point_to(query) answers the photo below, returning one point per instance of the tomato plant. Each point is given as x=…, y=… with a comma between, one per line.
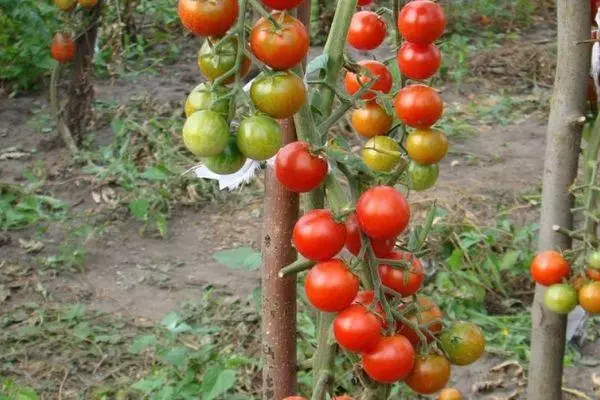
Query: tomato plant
x=317, y=236
x=418, y=106
x=419, y=61
x=63, y=47
x=392, y=359
x=279, y=95
x=549, y=267
x=357, y=329
x=373, y=70
x=367, y=30
x=371, y=120
x=259, y=137
x=430, y=374
x=208, y=18
x=330, y=286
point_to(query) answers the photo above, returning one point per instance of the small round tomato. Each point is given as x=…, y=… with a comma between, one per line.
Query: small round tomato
x=421, y=21
x=66, y=5
x=450, y=394
x=330, y=286
x=364, y=2
x=214, y=64
x=317, y=236
x=63, y=47
x=298, y=169
x=427, y=317
x=367, y=31
x=593, y=260
x=378, y=71
x=418, y=61
x=428, y=146
x=381, y=247
x=383, y=212
x=343, y=397
x=282, y=4
x=404, y=280
x=593, y=274
x=560, y=298
x=230, y=161
x=208, y=17
x=205, y=133
x=463, y=343
x=203, y=97
x=280, y=47
x=259, y=137
x=430, y=375
x=371, y=120
x=391, y=361
x=357, y=329
x=589, y=297
x=422, y=177
x=549, y=267
x=87, y=3
x=381, y=154
x=279, y=95
x=418, y=106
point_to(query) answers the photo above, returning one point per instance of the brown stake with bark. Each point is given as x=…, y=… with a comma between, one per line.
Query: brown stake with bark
x=279, y=294
x=560, y=169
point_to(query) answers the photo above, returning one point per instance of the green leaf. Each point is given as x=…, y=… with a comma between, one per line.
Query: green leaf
x=176, y=356
x=140, y=208
x=510, y=259
x=216, y=381
x=117, y=126
x=239, y=258
x=174, y=324
x=456, y=259
x=159, y=173
x=141, y=343
x=148, y=385
x=317, y=64
x=75, y=312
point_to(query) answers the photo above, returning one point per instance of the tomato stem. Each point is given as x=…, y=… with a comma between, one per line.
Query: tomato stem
x=296, y=267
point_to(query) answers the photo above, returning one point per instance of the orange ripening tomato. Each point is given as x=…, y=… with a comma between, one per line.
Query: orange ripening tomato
x=208, y=17
x=430, y=374
x=589, y=297
x=450, y=394
x=66, y=5
x=63, y=47
x=427, y=146
x=378, y=71
x=549, y=268
x=87, y=3
x=371, y=120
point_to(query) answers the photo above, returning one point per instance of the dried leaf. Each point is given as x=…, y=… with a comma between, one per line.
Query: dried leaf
x=577, y=393
x=596, y=379
x=487, y=386
x=96, y=197
x=31, y=246
x=109, y=196
x=514, y=395
x=506, y=365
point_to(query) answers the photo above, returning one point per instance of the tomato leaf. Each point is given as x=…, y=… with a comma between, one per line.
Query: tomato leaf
x=141, y=343
x=317, y=64
x=239, y=258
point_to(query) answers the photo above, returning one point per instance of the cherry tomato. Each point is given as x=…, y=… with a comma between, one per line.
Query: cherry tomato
x=317, y=236
x=282, y=4
x=428, y=146
x=364, y=2
x=63, y=47
x=593, y=274
x=422, y=177
x=381, y=153
x=593, y=260
x=430, y=375
x=298, y=169
x=344, y=397
x=378, y=71
x=330, y=286
x=450, y=394
x=230, y=161
x=279, y=95
x=549, y=267
x=463, y=343
x=87, y=3
x=205, y=133
x=589, y=297
x=204, y=97
x=367, y=31
x=66, y=5
x=214, y=64
x=357, y=329
x=418, y=106
x=418, y=61
x=421, y=21
x=280, y=47
x=371, y=120
x=429, y=313
x=381, y=248
x=560, y=298
x=391, y=361
x=259, y=137
x=208, y=17
x=383, y=212
x=406, y=281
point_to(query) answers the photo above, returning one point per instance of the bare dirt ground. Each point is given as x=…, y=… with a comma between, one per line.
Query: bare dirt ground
x=146, y=277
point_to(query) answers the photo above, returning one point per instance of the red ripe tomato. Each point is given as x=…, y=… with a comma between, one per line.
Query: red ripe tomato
x=383, y=212
x=549, y=268
x=418, y=106
x=330, y=286
x=381, y=247
x=430, y=375
x=299, y=170
x=208, y=17
x=364, y=2
x=357, y=329
x=317, y=236
x=282, y=4
x=367, y=30
x=421, y=21
x=63, y=47
x=429, y=313
x=418, y=61
x=280, y=47
x=593, y=274
x=391, y=361
x=378, y=71
x=405, y=282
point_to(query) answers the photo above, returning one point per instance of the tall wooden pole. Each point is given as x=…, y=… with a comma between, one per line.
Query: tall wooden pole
x=281, y=209
x=560, y=170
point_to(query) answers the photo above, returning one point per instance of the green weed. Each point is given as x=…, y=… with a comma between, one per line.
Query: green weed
x=21, y=208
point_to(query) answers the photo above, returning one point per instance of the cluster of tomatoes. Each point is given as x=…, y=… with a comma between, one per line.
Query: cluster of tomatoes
x=280, y=42
x=63, y=46
x=549, y=268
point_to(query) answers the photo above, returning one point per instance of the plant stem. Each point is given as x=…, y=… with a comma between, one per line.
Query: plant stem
x=297, y=266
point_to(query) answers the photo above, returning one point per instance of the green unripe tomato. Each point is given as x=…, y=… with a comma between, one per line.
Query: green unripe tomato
x=381, y=153
x=230, y=161
x=259, y=137
x=422, y=177
x=560, y=298
x=205, y=133
x=204, y=97
x=279, y=95
x=593, y=260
